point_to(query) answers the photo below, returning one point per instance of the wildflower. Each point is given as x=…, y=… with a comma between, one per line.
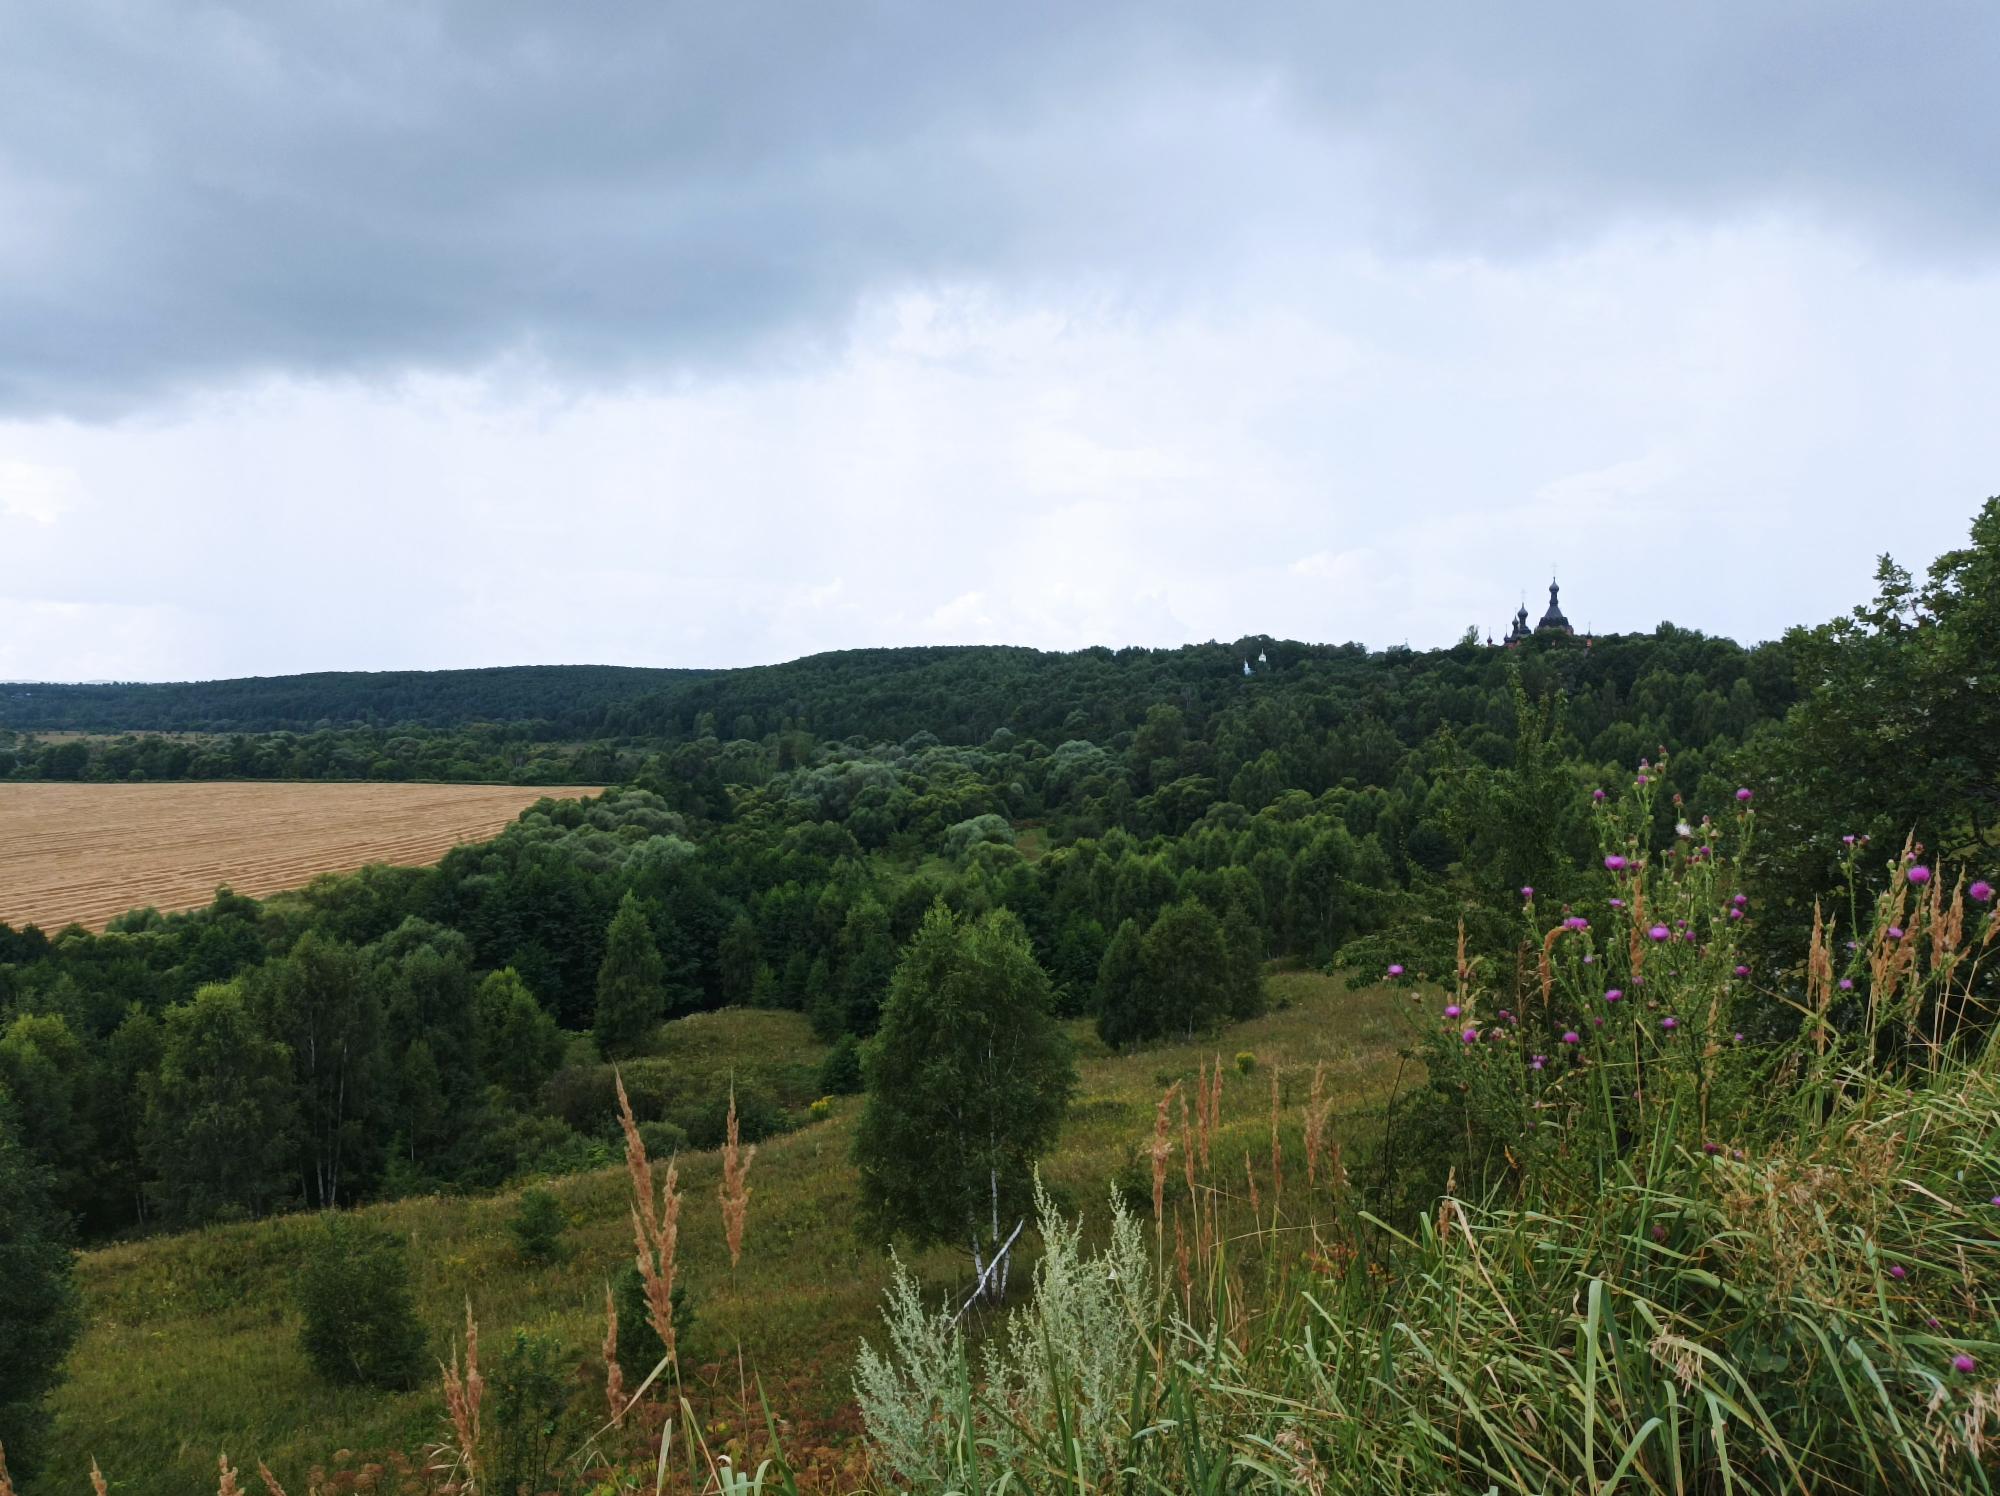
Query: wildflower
x=1589, y=960
x=1683, y=829
x=1849, y=838
x=1743, y=971
x=1996, y=1200
x=1598, y=796
x=1617, y=903
x=1660, y=932
x=1576, y=922
x=1597, y=1020
x=1670, y=1023
x=1895, y=932
x=1739, y=1037
x=1898, y=1271
x=1642, y=780
x=1470, y=1036
x=1711, y=1149
x=1613, y=995
x=1659, y=1232
x=1571, y=1036
x=1964, y=1364
x=1527, y=891
x=1742, y=797
x=1452, y=1010
x=1740, y=900
x=1536, y=1062
x=1736, y=914
x=1847, y=984
x=1919, y=875
x=1982, y=892
x=1614, y=863
x=1395, y=969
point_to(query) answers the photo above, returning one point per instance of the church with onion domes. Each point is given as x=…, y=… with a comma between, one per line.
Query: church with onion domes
x=1553, y=621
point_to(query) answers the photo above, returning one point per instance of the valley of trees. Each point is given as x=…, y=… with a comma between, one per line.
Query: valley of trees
x=1133, y=834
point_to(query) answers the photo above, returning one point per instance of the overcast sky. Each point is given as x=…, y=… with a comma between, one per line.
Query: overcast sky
x=370, y=334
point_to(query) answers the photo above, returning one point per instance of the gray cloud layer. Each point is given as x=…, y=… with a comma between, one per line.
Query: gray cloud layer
x=194, y=194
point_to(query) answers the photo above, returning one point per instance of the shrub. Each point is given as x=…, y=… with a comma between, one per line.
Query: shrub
x=1246, y=1062
x=663, y=1139
x=758, y=1116
x=538, y=1226
x=359, y=1324
x=840, y=1071
x=534, y=1397
x=639, y=1348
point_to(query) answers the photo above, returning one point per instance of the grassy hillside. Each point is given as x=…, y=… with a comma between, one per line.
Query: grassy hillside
x=192, y=1340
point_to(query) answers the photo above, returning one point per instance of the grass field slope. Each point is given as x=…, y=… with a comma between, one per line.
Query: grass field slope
x=192, y=1346
x=86, y=853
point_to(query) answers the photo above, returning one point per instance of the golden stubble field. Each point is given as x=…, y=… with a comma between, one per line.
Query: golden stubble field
x=88, y=852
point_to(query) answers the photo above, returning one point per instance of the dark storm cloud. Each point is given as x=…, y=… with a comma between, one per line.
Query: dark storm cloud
x=195, y=193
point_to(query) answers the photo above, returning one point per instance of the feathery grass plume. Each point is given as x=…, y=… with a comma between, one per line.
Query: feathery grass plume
x=1317, y=1109
x=733, y=1191
x=97, y=1479
x=1163, y=1145
x=271, y=1486
x=1201, y=1129
x=1250, y=1173
x=6, y=1482
x=227, y=1485
x=656, y=1225
x=614, y=1374
x=462, y=1396
x=1214, y=1102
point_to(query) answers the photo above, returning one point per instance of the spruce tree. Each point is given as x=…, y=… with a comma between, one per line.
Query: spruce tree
x=631, y=984
x=38, y=1309
x=968, y=1078
x=1122, y=1016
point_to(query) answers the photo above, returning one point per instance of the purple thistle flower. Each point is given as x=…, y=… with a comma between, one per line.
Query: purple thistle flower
x=1982, y=892
x=1395, y=969
x=1537, y=1061
x=1711, y=1149
x=1617, y=903
x=1742, y=796
x=1576, y=922
x=1597, y=795
x=1527, y=890
x=1642, y=780
x=1470, y=1036
x=1743, y=971
x=1919, y=875
x=1996, y=1200
x=1670, y=1023
x=1613, y=995
x=1849, y=838
x=1736, y=914
x=1964, y=1364
x=1898, y=1271
x=1452, y=1010
x=1660, y=932
x=1895, y=932
x=1659, y=1232
x=1740, y=900
x=1847, y=984
x=1571, y=1036
x=1614, y=863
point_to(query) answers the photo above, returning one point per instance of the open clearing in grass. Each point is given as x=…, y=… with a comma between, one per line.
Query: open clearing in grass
x=86, y=853
x=192, y=1340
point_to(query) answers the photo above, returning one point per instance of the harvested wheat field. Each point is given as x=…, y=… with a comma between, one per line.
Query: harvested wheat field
x=88, y=852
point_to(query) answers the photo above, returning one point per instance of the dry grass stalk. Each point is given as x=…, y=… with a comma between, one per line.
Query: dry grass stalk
x=462, y=1395
x=1188, y=1153
x=1163, y=1145
x=271, y=1486
x=614, y=1374
x=1277, y=1146
x=656, y=1225
x=6, y=1482
x=1202, y=1135
x=1181, y=1263
x=733, y=1191
x=227, y=1485
x=1316, y=1111
x=97, y=1479
x=1545, y=970
x=1250, y=1173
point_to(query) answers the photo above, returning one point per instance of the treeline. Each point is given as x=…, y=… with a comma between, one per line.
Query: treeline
x=469, y=755
x=555, y=700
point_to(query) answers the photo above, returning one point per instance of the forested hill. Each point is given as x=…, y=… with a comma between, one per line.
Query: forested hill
x=958, y=694
x=563, y=700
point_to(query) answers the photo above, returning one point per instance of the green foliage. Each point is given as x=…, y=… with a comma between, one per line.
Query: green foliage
x=840, y=1071
x=967, y=1080
x=357, y=1320
x=631, y=984
x=222, y=1112
x=538, y=1225
x=38, y=1308
x=516, y=1040
x=536, y=1413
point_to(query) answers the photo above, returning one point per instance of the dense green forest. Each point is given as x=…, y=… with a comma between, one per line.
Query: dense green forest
x=1157, y=827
